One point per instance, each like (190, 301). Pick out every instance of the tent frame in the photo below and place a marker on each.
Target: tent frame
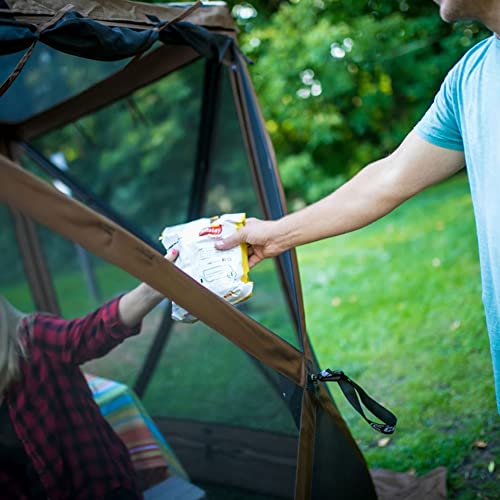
(32, 200)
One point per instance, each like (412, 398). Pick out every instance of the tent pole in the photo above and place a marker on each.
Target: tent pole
(208, 124)
(202, 167)
(305, 455)
(269, 190)
(34, 262)
(271, 198)
(155, 351)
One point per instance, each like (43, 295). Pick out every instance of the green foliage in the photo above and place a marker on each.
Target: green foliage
(341, 82)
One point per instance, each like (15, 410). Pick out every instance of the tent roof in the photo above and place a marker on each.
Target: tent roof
(56, 36)
(211, 15)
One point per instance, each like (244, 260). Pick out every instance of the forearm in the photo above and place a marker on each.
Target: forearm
(375, 191)
(368, 196)
(135, 304)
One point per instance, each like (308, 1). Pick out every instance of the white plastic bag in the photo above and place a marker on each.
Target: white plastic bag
(223, 272)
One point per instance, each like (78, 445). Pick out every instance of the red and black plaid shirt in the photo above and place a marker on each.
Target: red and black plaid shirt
(73, 449)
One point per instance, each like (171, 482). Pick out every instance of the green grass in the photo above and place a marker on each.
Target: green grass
(397, 306)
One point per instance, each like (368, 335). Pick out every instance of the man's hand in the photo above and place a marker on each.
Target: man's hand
(262, 237)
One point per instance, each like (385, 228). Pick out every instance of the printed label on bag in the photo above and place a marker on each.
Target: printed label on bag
(223, 272)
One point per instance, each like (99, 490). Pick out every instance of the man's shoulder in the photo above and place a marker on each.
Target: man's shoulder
(482, 45)
(474, 56)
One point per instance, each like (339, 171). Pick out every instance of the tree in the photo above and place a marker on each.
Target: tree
(341, 82)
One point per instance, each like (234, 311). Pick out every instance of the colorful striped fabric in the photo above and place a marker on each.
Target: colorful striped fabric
(129, 419)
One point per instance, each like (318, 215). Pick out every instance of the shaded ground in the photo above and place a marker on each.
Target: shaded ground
(217, 492)
(479, 474)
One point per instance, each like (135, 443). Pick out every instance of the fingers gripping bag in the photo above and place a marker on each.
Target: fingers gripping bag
(223, 272)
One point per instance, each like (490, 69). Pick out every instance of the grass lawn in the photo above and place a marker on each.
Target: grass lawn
(397, 306)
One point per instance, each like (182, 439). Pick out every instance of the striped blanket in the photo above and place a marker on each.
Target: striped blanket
(129, 419)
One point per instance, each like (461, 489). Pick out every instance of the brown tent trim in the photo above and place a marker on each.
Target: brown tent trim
(250, 146)
(305, 459)
(257, 181)
(139, 73)
(292, 298)
(243, 114)
(260, 461)
(124, 14)
(24, 192)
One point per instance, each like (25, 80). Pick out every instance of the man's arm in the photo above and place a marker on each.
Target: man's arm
(375, 191)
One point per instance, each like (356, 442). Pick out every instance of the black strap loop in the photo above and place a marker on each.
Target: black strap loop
(354, 393)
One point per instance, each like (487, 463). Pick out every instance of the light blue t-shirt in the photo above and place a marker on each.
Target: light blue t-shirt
(465, 116)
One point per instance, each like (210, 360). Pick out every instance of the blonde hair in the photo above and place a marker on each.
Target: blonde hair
(12, 349)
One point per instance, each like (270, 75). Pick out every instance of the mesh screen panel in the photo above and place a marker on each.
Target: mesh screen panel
(231, 189)
(202, 376)
(13, 284)
(49, 77)
(137, 155)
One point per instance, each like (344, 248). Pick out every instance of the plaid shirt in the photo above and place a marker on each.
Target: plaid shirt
(71, 446)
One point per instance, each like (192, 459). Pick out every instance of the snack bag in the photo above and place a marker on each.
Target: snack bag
(223, 272)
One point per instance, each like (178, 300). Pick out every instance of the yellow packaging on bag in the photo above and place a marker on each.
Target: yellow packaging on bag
(223, 272)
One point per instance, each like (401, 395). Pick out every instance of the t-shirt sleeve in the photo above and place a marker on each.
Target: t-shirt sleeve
(440, 125)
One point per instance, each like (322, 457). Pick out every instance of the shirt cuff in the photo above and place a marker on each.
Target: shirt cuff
(429, 134)
(113, 322)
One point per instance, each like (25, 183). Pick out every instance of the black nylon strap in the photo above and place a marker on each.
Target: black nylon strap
(354, 393)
